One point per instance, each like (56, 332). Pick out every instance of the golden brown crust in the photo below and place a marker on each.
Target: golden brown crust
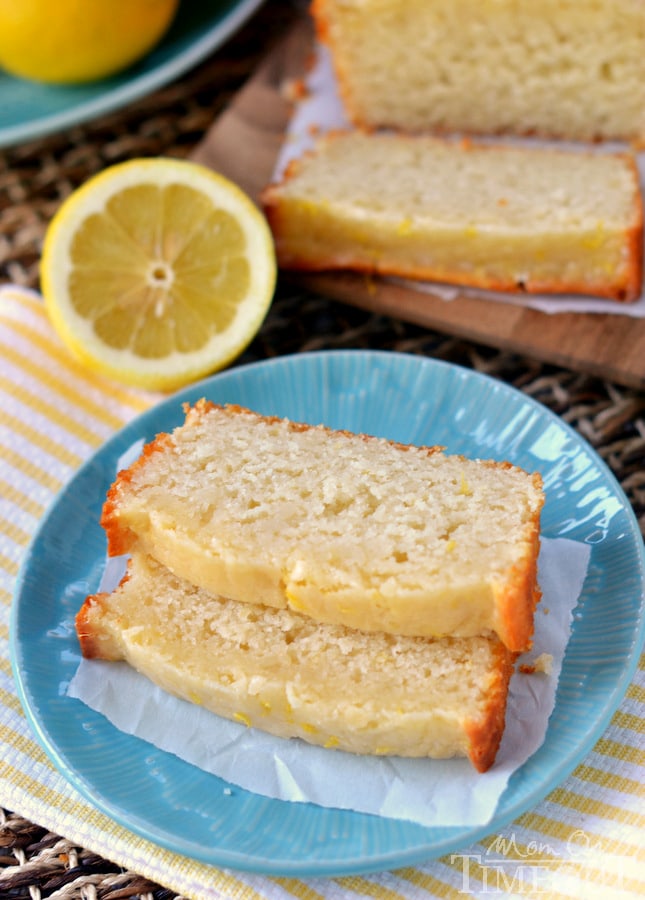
(93, 646)
(95, 643)
(485, 735)
(634, 283)
(322, 26)
(121, 539)
(517, 604)
(84, 630)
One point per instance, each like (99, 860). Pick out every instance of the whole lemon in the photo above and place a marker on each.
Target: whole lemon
(76, 41)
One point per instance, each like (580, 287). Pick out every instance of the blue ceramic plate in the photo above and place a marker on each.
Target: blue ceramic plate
(29, 110)
(405, 398)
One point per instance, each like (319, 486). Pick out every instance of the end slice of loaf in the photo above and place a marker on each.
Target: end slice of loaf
(516, 219)
(283, 673)
(572, 70)
(348, 529)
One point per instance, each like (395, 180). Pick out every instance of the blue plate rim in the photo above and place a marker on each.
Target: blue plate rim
(456, 838)
(139, 85)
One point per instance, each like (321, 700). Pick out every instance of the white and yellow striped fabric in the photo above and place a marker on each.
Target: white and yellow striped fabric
(584, 840)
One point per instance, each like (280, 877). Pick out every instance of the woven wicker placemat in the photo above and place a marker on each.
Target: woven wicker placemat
(35, 177)
(35, 864)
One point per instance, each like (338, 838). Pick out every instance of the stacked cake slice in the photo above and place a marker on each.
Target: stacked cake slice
(347, 590)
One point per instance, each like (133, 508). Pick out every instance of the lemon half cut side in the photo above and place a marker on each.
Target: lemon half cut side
(158, 272)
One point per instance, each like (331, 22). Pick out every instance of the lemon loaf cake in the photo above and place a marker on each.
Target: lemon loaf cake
(346, 528)
(283, 673)
(573, 69)
(502, 218)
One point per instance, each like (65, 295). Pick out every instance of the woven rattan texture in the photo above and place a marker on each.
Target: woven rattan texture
(35, 177)
(35, 864)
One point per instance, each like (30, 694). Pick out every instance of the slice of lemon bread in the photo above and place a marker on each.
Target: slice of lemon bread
(573, 70)
(346, 528)
(283, 673)
(506, 218)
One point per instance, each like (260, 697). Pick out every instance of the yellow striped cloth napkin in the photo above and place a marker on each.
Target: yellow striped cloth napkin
(584, 840)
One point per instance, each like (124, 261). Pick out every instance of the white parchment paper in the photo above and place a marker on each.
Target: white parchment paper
(320, 110)
(430, 792)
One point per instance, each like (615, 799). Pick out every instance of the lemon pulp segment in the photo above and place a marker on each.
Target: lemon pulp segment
(153, 277)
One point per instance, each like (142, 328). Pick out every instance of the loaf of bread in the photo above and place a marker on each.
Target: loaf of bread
(281, 672)
(573, 70)
(502, 218)
(347, 529)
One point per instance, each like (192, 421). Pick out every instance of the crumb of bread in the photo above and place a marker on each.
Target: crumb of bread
(542, 664)
(294, 89)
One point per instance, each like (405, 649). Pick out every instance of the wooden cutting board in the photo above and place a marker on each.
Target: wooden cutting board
(243, 144)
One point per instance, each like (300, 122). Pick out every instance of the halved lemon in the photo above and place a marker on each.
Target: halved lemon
(158, 272)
